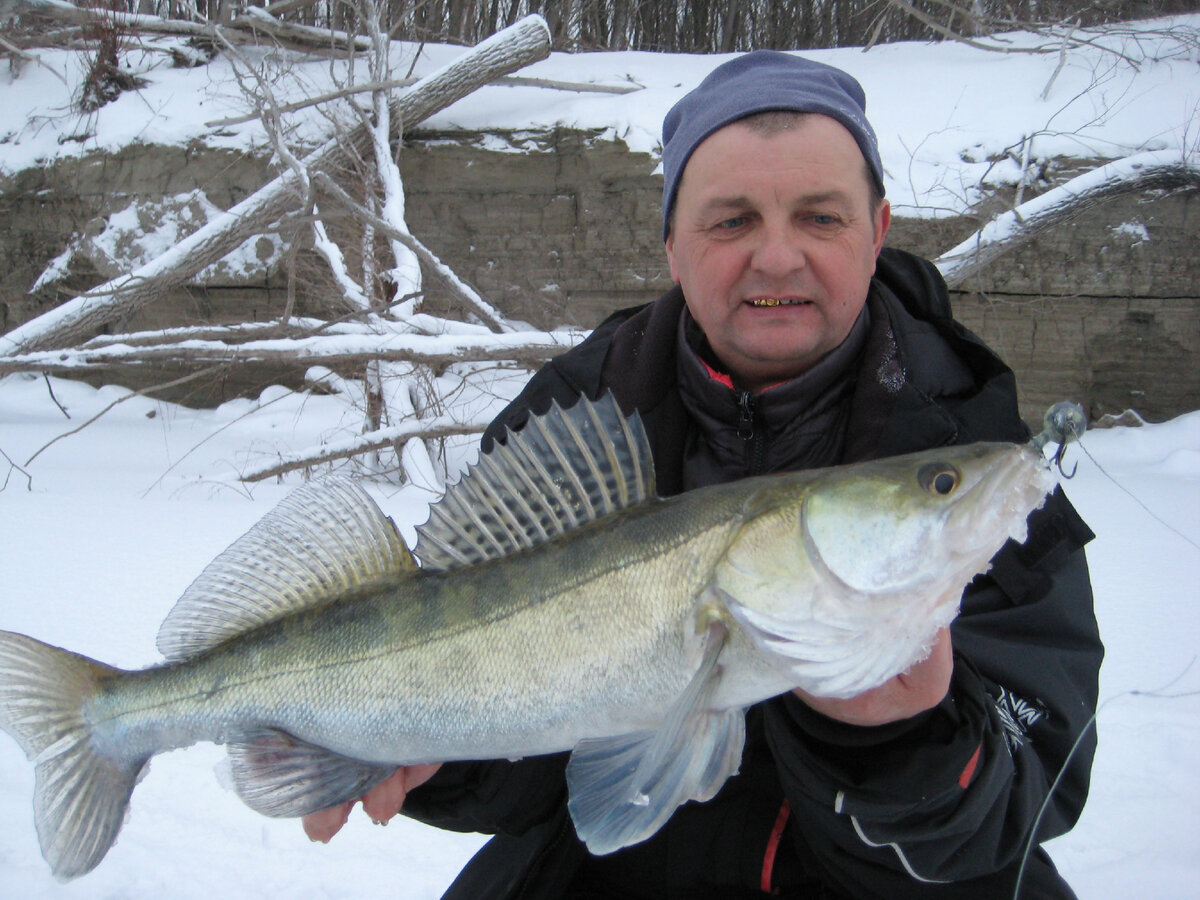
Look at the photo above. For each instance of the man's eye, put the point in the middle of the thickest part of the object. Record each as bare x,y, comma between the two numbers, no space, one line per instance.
731,223
825,219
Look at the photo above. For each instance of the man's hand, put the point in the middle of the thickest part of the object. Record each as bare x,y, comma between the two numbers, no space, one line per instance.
920,688
380,803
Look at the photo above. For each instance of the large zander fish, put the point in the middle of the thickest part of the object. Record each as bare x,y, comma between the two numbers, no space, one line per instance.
558,605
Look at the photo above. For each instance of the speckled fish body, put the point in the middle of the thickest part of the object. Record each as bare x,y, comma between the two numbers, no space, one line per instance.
558,605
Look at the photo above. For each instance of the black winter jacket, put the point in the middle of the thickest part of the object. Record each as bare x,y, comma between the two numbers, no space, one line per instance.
943,805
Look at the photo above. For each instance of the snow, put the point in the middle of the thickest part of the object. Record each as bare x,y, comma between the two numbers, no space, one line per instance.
946,114
105,527
114,524
147,228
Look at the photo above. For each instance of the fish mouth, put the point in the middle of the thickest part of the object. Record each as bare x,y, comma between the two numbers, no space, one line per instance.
771,302
1020,483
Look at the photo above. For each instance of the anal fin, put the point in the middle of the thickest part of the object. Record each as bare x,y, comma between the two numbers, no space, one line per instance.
278,775
623,789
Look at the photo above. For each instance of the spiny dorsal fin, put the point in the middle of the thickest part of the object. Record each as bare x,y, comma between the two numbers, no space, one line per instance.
562,469
321,542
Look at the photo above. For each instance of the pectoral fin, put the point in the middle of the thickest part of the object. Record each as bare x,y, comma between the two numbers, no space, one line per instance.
825,658
623,789
278,775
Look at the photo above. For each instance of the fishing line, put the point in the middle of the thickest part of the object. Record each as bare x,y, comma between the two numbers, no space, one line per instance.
1065,423
1159,693
1135,499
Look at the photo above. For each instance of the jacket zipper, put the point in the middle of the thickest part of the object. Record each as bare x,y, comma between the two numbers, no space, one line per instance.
750,430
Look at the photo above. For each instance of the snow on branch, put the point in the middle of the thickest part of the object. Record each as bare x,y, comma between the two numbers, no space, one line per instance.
1153,170
513,48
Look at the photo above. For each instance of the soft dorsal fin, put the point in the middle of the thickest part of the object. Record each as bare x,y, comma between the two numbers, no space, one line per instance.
563,469
323,541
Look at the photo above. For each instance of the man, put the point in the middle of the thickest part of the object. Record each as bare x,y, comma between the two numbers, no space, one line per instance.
793,340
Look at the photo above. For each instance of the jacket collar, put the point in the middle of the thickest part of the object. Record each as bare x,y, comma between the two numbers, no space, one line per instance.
930,381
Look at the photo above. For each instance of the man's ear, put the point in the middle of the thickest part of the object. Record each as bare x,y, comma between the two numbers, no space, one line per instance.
882,221
670,246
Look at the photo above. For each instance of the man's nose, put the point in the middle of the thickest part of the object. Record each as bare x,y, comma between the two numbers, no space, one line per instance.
779,251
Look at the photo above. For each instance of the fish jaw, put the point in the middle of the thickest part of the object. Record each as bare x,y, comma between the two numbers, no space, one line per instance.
1015,486
846,583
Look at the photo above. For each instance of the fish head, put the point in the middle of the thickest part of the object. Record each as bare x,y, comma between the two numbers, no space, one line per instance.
904,524
845,575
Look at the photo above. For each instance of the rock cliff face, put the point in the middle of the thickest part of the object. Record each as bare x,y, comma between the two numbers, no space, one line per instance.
563,227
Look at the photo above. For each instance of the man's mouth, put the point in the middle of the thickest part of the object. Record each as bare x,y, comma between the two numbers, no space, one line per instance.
763,302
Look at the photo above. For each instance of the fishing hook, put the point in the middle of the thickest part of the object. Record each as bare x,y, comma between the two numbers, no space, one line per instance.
1064,423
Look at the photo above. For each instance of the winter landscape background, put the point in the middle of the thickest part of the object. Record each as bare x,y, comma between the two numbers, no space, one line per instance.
103,528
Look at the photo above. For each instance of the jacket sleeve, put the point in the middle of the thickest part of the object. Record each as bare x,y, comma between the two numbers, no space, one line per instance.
492,797
956,793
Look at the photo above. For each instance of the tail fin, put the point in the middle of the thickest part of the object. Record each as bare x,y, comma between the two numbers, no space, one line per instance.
80,796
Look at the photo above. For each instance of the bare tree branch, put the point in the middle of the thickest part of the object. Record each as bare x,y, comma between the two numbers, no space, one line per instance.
414,429
31,57
938,28
191,376
445,277
13,467
506,81
252,20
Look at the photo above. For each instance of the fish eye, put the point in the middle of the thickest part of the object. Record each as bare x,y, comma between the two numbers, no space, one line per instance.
938,478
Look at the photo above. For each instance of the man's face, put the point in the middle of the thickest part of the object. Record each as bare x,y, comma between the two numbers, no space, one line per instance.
774,243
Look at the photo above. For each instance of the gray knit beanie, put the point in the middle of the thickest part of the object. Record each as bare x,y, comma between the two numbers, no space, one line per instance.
758,82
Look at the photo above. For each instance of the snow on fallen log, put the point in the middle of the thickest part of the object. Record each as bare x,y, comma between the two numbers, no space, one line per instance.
1152,170
513,48
294,328
526,347
503,81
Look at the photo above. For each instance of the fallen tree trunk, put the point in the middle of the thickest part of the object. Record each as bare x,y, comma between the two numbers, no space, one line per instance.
524,347
517,46
504,81
240,29
1154,170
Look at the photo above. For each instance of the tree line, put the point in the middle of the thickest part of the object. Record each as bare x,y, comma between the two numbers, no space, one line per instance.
691,26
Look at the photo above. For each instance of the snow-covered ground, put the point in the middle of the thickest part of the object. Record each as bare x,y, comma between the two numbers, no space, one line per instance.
106,527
